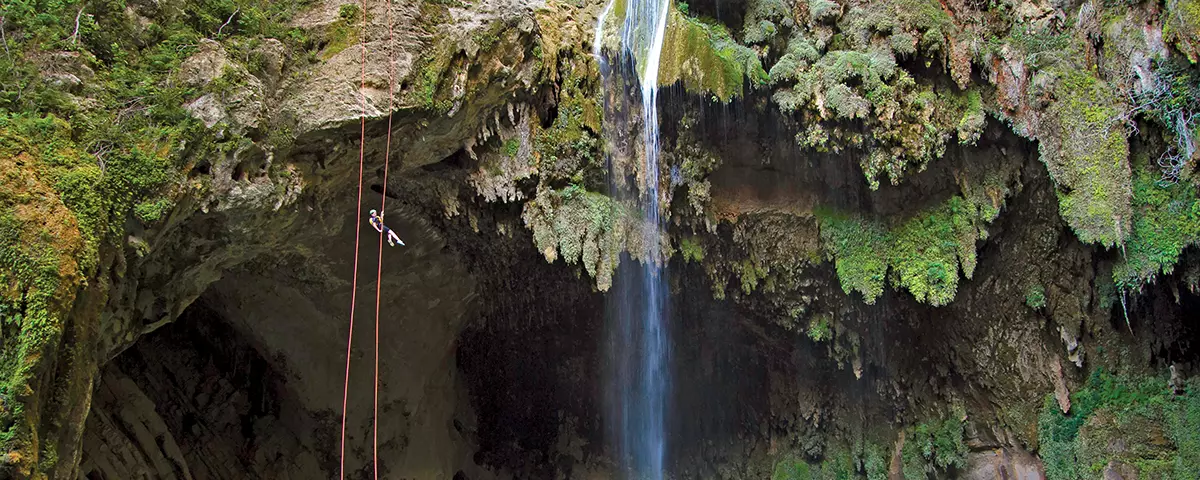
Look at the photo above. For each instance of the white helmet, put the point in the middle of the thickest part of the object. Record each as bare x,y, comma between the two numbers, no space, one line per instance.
373,212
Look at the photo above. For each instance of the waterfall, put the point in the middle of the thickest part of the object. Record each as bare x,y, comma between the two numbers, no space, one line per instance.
638,348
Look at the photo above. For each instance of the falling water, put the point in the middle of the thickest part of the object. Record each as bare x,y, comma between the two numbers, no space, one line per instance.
639,350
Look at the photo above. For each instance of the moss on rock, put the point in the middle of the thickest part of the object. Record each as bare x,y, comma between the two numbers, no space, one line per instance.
580,227
924,253
1181,26
1084,147
706,59
1117,420
1166,220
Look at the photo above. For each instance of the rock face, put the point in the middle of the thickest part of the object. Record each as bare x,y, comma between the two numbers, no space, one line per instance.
1003,307
1003,465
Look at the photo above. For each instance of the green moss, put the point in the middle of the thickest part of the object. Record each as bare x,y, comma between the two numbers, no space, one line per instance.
691,249
86,167
1160,431
923,19
970,126
343,32
924,252
791,468
858,249
1181,26
706,59
580,227
861,99
571,149
153,211
1086,152
819,10
934,446
1166,220
428,87
763,20
512,146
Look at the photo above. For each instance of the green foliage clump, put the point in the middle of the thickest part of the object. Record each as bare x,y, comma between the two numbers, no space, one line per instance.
858,249
924,20
579,226
819,329
799,54
840,466
928,249
924,252
1160,430
763,19
845,92
935,446
1084,147
1166,220
819,10
792,468
706,59
1035,296
691,249
512,146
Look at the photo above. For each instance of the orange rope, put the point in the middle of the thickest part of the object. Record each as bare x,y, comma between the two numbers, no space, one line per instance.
387,153
362,143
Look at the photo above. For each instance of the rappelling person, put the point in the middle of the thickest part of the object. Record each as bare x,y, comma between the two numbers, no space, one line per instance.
376,221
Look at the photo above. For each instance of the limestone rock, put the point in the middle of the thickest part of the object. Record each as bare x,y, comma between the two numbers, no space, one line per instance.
1003,464
239,102
204,66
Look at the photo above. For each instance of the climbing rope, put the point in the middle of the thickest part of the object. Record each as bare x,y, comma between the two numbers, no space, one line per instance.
362,142
387,154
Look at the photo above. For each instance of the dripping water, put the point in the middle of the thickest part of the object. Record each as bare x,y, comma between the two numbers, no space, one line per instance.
639,350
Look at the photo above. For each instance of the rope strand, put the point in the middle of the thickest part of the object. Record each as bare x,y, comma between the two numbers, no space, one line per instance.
362,143
387,156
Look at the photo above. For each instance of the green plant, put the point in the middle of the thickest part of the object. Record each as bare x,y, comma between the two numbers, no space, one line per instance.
1166,220
512,146
934,446
1087,155
1110,408
349,12
691,249
706,59
819,329
1035,296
